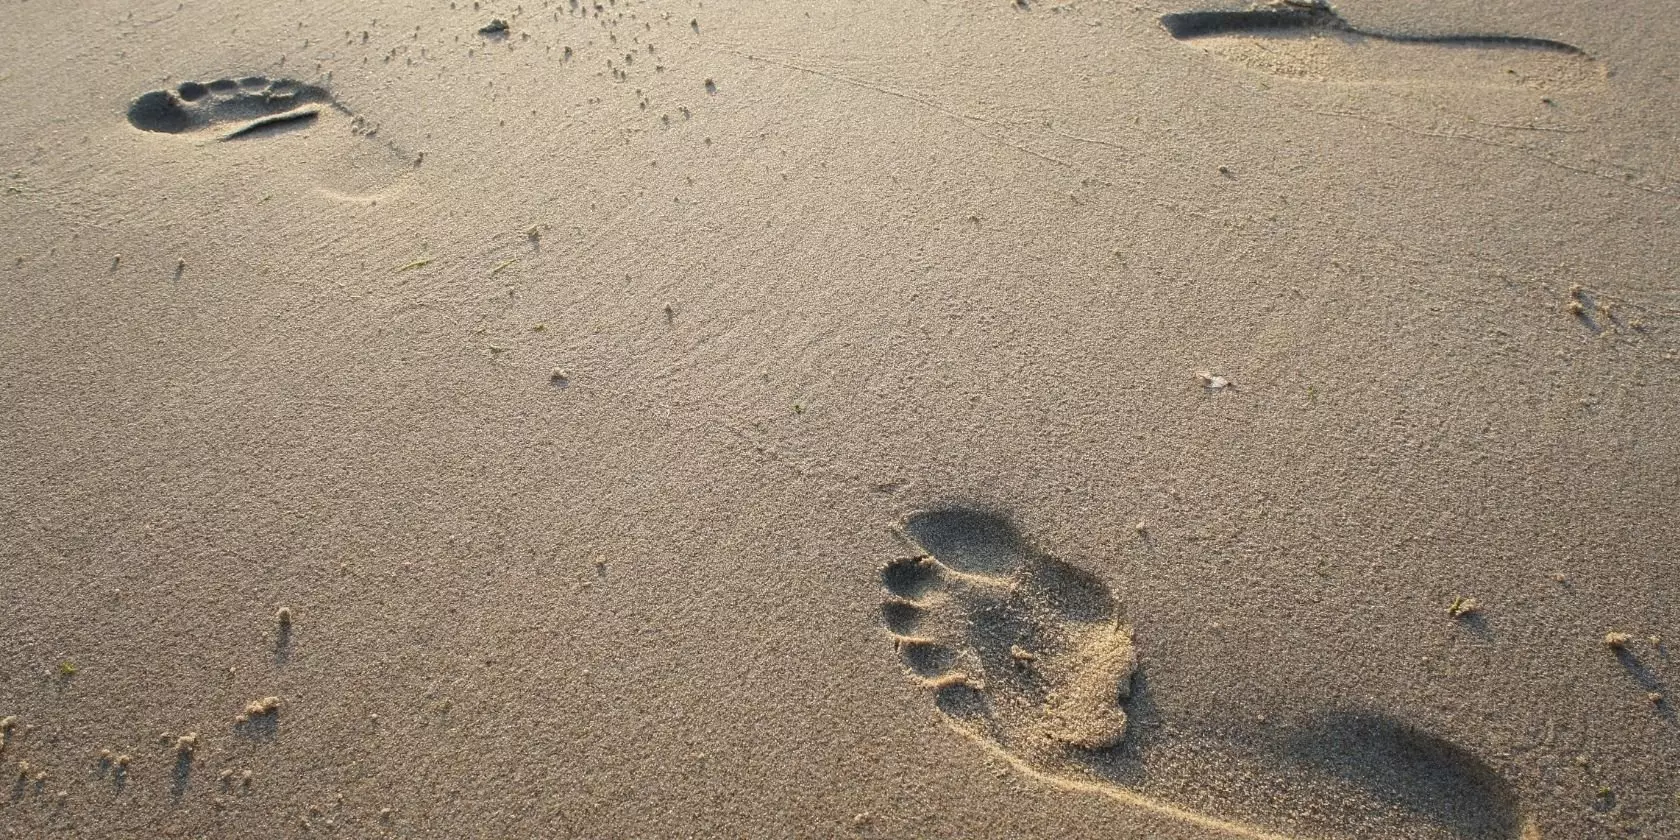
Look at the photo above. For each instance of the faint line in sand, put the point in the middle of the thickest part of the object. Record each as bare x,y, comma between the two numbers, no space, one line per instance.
1495,144
968,121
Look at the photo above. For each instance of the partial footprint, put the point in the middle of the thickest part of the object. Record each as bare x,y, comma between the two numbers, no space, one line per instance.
257,106
1540,98
1028,653
234,108
1030,656
1307,39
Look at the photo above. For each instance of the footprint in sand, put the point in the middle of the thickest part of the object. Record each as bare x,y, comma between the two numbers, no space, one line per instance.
1308,39
256,107
233,108
1030,657
1534,96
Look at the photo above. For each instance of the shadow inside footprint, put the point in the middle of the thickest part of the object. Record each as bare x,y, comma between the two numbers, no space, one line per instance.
1310,40
251,106
1029,654
967,540
1409,770
1289,16
265,126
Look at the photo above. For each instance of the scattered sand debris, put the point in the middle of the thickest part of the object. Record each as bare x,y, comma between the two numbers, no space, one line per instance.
1213,382
1462,606
258,708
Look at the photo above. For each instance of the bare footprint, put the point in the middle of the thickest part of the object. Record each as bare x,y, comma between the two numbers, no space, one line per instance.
234,108
1308,39
1540,98
253,107
1030,657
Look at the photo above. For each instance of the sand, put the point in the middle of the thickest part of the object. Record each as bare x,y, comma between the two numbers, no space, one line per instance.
583,392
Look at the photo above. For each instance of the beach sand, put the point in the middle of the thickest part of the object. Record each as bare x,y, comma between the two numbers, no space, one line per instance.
867,419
